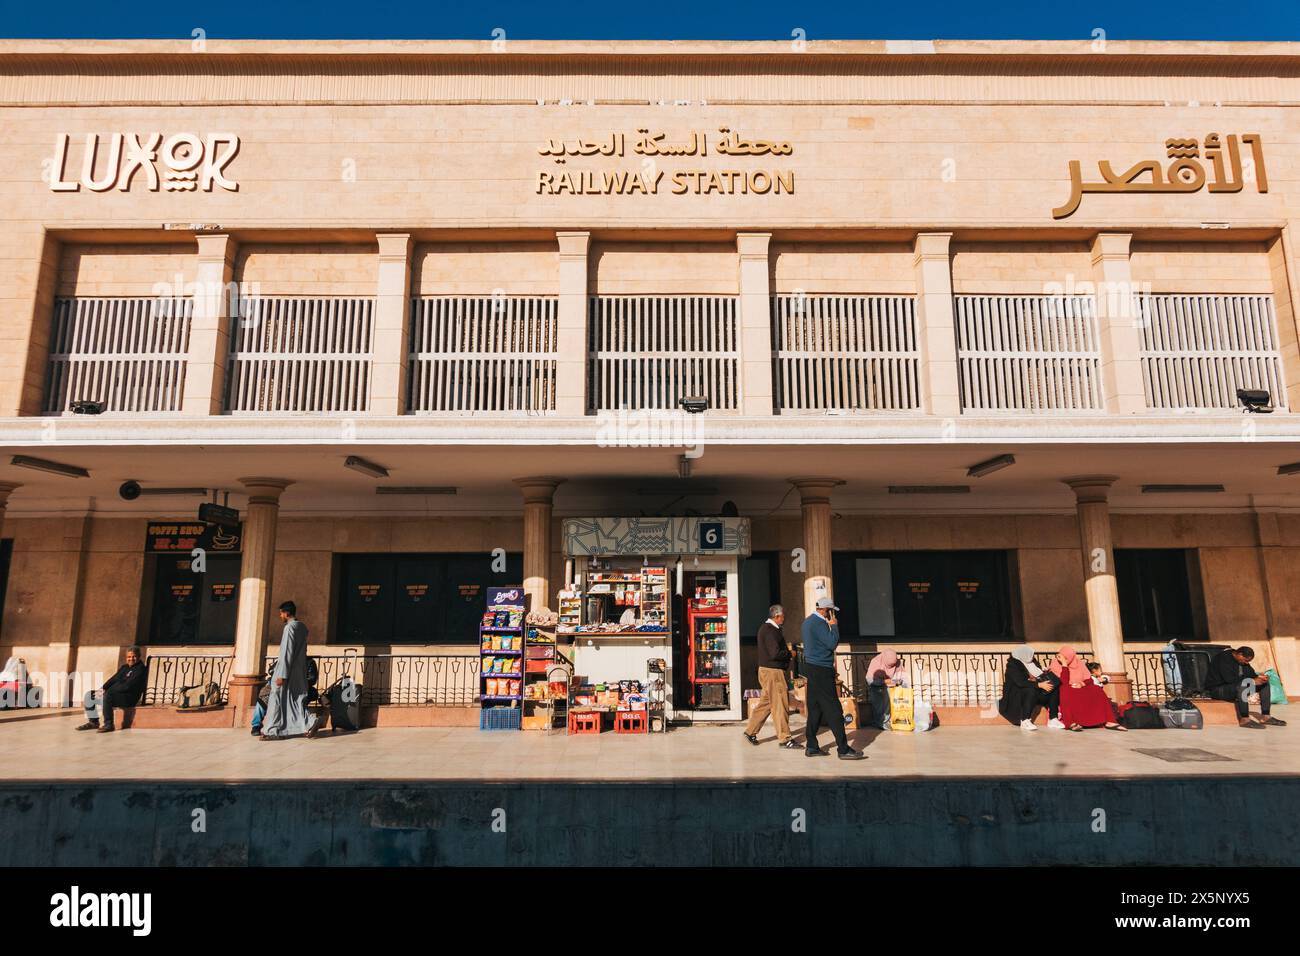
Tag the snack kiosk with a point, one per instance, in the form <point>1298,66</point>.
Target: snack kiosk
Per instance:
<point>623,578</point>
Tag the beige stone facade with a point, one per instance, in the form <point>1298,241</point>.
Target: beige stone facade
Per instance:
<point>411,177</point>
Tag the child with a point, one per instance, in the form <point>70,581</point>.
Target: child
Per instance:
<point>1098,678</point>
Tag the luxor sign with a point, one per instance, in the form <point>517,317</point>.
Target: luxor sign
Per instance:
<point>189,162</point>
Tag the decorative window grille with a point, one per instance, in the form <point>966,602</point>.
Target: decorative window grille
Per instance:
<point>483,354</point>
<point>649,352</point>
<point>1197,350</point>
<point>300,355</point>
<point>1028,353</point>
<point>127,353</point>
<point>850,353</point>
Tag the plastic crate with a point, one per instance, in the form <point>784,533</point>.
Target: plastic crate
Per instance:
<point>630,722</point>
<point>584,723</point>
<point>500,718</point>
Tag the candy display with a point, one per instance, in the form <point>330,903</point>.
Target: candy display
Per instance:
<point>501,659</point>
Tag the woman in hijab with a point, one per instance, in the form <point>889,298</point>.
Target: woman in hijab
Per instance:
<point>1027,687</point>
<point>884,671</point>
<point>1083,703</point>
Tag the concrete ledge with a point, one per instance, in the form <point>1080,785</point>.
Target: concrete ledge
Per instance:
<point>169,718</point>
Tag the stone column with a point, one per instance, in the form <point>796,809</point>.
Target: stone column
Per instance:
<point>6,489</point>
<point>256,572</point>
<point>815,499</point>
<point>539,495</point>
<point>392,342</point>
<point>209,352</point>
<point>1117,323</point>
<point>755,324</point>
<point>571,363</point>
<point>1276,585</point>
<point>1284,271</point>
<point>936,325</point>
<point>1100,591</point>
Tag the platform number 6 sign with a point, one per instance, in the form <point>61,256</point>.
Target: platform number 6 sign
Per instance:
<point>710,535</point>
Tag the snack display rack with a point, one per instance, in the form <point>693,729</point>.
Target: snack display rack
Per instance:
<point>603,604</point>
<point>546,679</point>
<point>501,660</point>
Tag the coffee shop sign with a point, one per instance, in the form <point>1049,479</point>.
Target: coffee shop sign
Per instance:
<point>189,162</point>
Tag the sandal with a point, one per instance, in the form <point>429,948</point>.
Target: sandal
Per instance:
<point>1077,728</point>
<point>1117,727</point>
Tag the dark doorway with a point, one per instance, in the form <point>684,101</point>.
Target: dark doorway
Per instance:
<point>923,595</point>
<point>1155,594</point>
<point>191,607</point>
<point>417,598</point>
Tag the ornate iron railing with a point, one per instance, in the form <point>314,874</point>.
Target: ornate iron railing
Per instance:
<point>1160,675</point>
<point>402,680</point>
<point>974,678</point>
<point>169,673</point>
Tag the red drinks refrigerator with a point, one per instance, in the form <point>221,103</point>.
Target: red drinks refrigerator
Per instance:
<point>708,668</point>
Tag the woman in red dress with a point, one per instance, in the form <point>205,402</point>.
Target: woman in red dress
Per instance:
<point>1083,703</point>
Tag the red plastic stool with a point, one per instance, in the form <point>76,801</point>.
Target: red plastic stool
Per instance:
<point>631,722</point>
<point>584,723</point>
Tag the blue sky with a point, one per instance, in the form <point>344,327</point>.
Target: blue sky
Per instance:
<point>658,19</point>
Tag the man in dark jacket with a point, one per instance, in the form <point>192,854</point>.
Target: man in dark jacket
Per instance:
<point>123,689</point>
<point>1231,677</point>
<point>774,697</point>
<point>821,635</point>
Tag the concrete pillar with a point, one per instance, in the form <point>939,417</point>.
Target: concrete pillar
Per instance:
<point>1100,591</point>
<point>1117,323</point>
<point>1277,602</point>
<point>539,495</point>
<point>392,342</point>
<point>571,365</point>
<point>815,499</point>
<point>936,325</point>
<point>755,324</point>
<point>205,365</point>
<point>257,570</point>
<point>6,489</point>
<point>1284,271</point>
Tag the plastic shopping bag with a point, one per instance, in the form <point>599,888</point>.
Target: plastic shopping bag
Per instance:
<point>900,708</point>
<point>1276,693</point>
<point>922,714</point>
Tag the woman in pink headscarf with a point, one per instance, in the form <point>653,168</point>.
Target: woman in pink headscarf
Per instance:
<point>884,671</point>
<point>1083,703</point>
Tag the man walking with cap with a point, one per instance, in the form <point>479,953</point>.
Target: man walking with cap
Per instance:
<point>821,634</point>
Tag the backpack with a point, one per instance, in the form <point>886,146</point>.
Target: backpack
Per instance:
<point>199,695</point>
<point>1140,715</point>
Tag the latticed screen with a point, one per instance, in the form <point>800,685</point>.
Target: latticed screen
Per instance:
<point>1028,353</point>
<point>127,353</point>
<point>1197,350</point>
<point>483,354</point>
<point>649,352</point>
<point>845,353</point>
<point>300,355</point>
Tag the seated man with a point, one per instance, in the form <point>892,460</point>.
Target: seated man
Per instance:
<point>123,689</point>
<point>1231,677</point>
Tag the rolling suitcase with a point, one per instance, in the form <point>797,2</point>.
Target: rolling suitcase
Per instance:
<point>1181,713</point>
<point>343,701</point>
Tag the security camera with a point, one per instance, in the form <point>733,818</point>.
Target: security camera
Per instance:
<point>1254,400</point>
<point>694,405</point>
<point>129,491</point>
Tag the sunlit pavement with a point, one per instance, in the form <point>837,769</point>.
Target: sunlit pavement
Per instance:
<point>48,749</point>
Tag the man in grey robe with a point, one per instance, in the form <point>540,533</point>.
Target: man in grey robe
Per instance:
<point>286,708</point>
